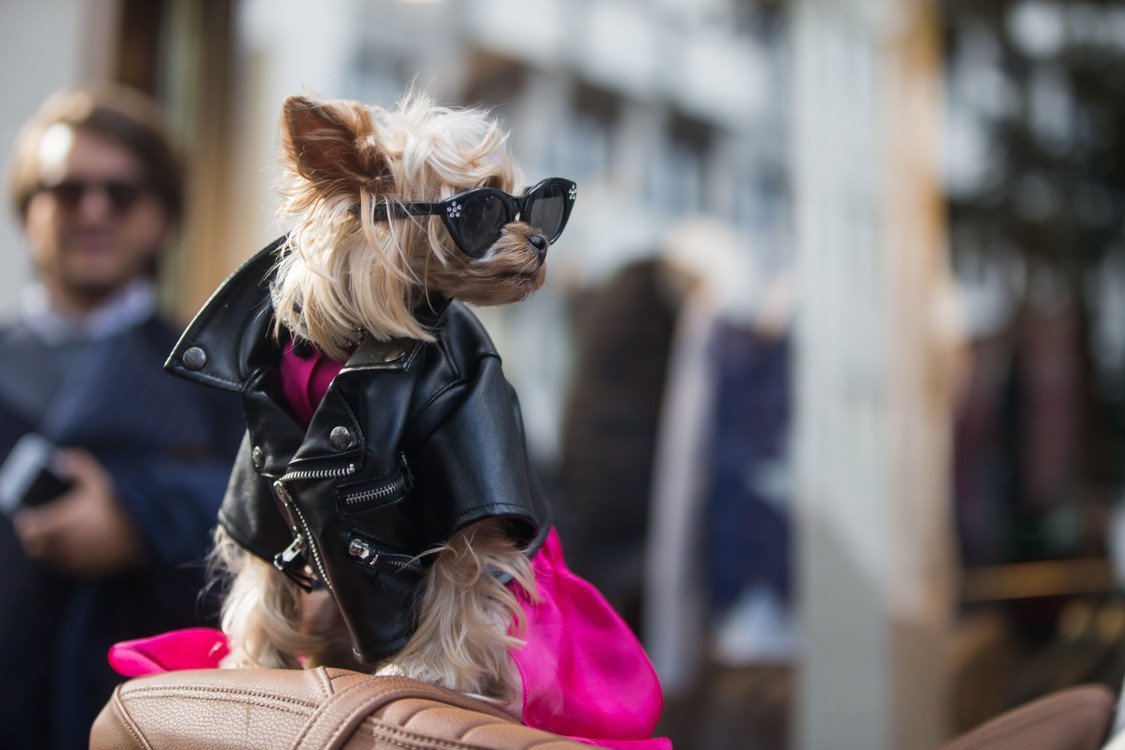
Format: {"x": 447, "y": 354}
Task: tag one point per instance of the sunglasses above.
{"x": 121, "y": 194}
{"x": 475, "y": 218}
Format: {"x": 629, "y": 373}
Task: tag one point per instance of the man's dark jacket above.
{"x": 168, "y": 447}
{"x": 412, "y": 442}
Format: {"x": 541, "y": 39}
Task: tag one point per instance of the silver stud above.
{"x": 258, "y": 458}
{"x": 195, "y": 358}
{"x": 341, "y": 438}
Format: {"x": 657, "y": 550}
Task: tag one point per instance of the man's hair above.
{"x": 115, "y": 113}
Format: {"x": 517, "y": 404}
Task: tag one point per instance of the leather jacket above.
{"x": 412, "y": 442}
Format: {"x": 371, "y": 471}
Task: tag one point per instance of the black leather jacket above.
{"x": 412, "y": 442}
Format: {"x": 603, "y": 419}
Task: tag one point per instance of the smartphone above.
{"x": 28, "y": 476}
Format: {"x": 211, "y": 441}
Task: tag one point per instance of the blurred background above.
{"x": 827, "y": 383}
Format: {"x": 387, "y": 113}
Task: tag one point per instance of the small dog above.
{"x": 392, "y": 209}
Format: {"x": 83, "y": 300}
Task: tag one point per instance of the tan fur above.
{"x": 341, "y": 275}
{"x": 461, "y": 641}
{"x": 262, "y": 610}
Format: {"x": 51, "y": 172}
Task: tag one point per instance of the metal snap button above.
{"x": 341, "y": 438}
{"x": 195, "y": 358}
{"x": 258, "y": 458}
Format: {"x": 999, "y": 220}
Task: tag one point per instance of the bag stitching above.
{"x": 263, "y": 699}
{"x": 130, "y": 726}
{"x": 396, "y": 736}
{"x": 379, "y": 724}
{"x": 364, "y": 709}
{"x": 324, "y": 680}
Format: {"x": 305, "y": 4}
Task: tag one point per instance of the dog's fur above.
{"x": 342, "y": 273}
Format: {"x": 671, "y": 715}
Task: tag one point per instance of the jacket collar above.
{"x": 218, "y": 346}
{"x": 228, "y": 339}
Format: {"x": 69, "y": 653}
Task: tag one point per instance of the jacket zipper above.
{"x": 366, "y": 553}
{"x": 410, "y": 567}
{"x": 375, "y": 494}
{"x": 304, "y": 541}
{"x": 339, "y": 471}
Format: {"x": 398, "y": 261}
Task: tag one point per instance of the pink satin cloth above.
{"x": 585, "y": 676}
{"x": 193, "y": 648}
{"x": 305, "y": 380}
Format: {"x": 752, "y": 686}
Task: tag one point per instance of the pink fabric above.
{"x": 193, "y": 648}
{"x": 304, "y": 381}
{"x": 584, "y": 673}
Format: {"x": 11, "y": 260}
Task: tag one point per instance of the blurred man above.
{"x": 119, "y": 554}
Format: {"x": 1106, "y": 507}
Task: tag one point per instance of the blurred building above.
{"x": 659, "y": 110}
{"x": 808, "y": 126}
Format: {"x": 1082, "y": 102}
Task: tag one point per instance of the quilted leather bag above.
{"x": 318, "y": 708}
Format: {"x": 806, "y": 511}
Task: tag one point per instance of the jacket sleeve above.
{"x": 249, "y": 513}
{"x": 176, "y": 530}
{"x": 473, "y": 465}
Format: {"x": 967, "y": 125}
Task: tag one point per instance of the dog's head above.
{"x": 395, "y": 206}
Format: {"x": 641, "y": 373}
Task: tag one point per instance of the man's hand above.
{"x": 85, "y": 532}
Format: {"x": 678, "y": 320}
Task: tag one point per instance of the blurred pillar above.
{"x": 874, "y": 379}
{"x": 197, "y": 67}
{"x": 46, "y": 46}
{"x": 138, "y": 45}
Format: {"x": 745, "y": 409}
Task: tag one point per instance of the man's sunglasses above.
{"x": 121, "y": 194}
{"x": 475, "y": 218}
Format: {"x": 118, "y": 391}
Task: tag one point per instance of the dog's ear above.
{"x": 331, "y": 144}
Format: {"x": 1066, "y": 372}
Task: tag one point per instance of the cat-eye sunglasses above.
{"x": 475, "y": 218}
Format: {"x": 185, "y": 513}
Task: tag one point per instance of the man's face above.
{"x": 96, "y": 226}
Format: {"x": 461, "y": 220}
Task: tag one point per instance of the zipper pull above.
{"x": 363, "y": 552}
{"x": 291, "y": 562}
{"x": 285, "y": 559}
{"x": 286, "y": 499}
{"x": 367, "y": 554}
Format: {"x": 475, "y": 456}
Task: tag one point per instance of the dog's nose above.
{"x": 541, "y": 244}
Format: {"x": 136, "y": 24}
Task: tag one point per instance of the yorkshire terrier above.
{"x": 392, "y": 209}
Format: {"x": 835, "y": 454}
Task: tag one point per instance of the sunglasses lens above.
{"x": 122, "y": 195}
{"x": 546, "y": 211}
{"x": 69, "y": 193}
{"x": 483, "y": 217}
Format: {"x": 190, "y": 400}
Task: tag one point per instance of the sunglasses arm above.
{"x": 387, "y": 211}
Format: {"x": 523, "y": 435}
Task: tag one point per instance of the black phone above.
{"x": 28, "y": 476}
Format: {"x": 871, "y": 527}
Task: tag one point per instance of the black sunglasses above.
{"x": 475, "y": 218}
{"x": 122, "y": 194}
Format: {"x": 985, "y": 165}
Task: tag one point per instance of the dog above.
{"x": 370, "y": 242}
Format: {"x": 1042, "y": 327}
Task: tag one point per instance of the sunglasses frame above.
{"x": 70, "y": 192}
{"x": 450, "y": 209}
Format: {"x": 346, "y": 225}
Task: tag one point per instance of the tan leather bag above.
{"x": 302, "y": 710}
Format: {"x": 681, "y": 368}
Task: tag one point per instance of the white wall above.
{"x": 874, "y": 379}
{"x": 45, "y": 45}
{"x": 270, "y": 68}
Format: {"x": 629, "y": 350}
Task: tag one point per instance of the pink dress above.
{"x": 584, "y": 674}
